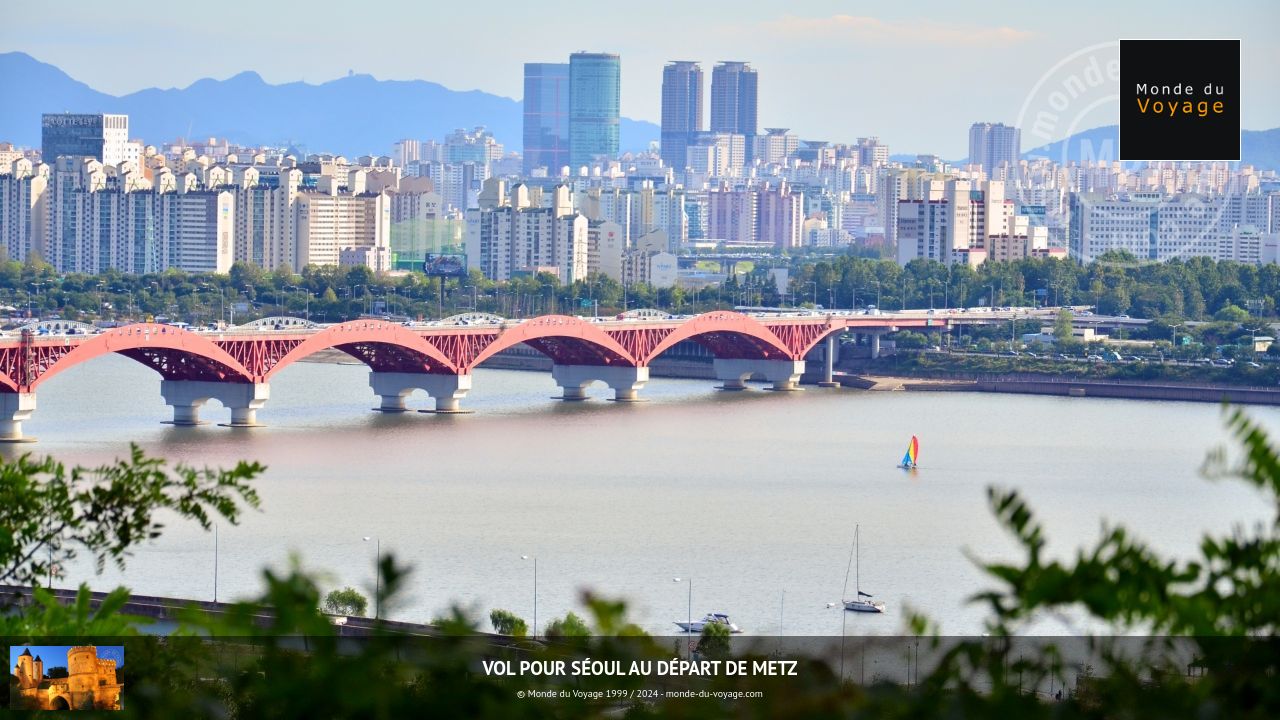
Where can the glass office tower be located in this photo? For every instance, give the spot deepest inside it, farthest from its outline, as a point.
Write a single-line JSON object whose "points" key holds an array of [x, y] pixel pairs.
{"points": [[595, 81]]}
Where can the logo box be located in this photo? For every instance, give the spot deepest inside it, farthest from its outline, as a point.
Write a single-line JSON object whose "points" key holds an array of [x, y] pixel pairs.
{"points": [[1180, 100]]}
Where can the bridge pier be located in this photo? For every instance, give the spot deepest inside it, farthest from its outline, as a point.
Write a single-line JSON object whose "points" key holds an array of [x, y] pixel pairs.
{"points": [[875, 345], [188, 396], [394, 388], [14, 409], [734, 372], [829, 362], [626, 381]]}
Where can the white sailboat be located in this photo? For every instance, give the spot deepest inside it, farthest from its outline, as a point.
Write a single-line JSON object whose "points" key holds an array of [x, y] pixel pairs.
{"points": [[861, 601]]}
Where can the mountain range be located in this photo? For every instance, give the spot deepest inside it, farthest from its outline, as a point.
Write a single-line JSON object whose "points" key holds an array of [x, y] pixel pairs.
{"points": [[353, 115], [344, 115], [1259, 148]]}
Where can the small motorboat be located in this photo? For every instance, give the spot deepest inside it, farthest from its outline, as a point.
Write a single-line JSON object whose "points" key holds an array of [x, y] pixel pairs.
{"points": [[708, 619]]}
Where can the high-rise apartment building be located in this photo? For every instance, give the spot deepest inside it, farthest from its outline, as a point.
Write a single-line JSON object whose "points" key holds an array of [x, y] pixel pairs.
{"points": [[734, 102], [508, 233], [22, 210], [775, 146], [546, 117], [102, 137], [994, 145], [681, 110], [1159, 226], [329, 222], [957, 221], [595, 82]]}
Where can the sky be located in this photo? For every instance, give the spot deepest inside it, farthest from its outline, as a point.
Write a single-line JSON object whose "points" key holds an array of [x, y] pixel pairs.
{"points": [[916, 74], [56, 655]]}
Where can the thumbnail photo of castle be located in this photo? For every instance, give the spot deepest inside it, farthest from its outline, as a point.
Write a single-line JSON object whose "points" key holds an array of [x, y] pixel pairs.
{"points": [[63, 677]]}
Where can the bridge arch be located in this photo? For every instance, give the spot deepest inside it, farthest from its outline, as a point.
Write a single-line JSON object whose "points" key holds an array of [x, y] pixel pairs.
{"points": [[175, 353], [474, 318], [728, 335], [279, 322], [382, 345], [646, 314], [58, 327], [566, 340]]}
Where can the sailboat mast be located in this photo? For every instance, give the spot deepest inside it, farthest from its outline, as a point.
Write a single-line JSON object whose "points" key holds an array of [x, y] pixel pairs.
{"points": [[857, 578]]}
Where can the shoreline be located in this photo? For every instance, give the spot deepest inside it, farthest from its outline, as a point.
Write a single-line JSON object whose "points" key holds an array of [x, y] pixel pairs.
{"points": [[1022, 384]]}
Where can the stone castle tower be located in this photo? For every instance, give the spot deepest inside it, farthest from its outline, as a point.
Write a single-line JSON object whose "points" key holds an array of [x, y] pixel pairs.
{"points": [[90, 682]]}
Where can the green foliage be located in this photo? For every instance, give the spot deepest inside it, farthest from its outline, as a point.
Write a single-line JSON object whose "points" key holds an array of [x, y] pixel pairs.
{"points": [[46, 616], [1063, 326], [714, 641], [347, 601], [50, 515], [570, 626], [1232, 314], [506, 622], [958, 365]]}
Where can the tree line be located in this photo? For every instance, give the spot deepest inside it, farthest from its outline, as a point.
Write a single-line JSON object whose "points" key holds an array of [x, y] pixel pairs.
{"points": [[1116, 284]]}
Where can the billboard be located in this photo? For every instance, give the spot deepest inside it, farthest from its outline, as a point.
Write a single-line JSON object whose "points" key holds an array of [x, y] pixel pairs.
{"points": [[445, 265]]}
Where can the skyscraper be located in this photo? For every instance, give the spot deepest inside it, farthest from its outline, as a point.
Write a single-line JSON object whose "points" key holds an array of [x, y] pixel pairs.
{"points": [[595, 81], [546, 116], [991, 145], [681, 110], [734, 88]]}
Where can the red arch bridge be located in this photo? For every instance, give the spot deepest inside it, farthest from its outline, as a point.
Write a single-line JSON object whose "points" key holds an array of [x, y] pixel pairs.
{"points": [[235, 365]]}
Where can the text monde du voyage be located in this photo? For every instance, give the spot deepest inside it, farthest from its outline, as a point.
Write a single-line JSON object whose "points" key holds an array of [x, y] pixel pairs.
{"points": [[1181, 99]]}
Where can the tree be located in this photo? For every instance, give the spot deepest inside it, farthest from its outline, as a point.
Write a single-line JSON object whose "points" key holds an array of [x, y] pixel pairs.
{"points": [[571, 626], [506, 622], [714, 641], [1232, 313], [49, 515], [347, 601], [1063, 325]]}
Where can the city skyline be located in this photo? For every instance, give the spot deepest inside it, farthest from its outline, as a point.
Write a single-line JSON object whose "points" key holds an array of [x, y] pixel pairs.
{"points": [[815, 61]]}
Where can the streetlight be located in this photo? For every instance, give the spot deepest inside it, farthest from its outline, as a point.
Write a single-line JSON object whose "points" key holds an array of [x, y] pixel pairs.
{"points": [[215, 562], [689, 626], [377, 588], [535, 592], [815, 293]]}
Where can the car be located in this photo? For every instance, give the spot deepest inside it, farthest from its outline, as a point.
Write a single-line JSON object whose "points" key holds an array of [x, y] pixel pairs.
{"points": [[1253, 364], [1031, 354]]}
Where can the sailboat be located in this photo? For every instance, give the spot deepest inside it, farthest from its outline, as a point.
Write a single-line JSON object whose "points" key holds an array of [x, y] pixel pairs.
{"points": [[913, 452], [860, 601]]}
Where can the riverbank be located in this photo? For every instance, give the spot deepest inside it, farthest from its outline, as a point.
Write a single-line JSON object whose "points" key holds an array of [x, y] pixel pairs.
{"points": [[882, 376]]}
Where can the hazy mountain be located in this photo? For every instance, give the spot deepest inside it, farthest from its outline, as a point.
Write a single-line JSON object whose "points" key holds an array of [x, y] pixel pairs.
{"points": [[1259, 148], [353, 115]]}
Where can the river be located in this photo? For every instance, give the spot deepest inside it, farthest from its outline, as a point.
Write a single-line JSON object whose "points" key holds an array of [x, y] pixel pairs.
{"points": [[754, 496]]}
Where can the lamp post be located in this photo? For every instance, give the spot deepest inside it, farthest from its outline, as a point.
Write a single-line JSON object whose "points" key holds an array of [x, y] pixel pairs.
{"points": [[689, 626], [815, 293], [535, 592], [215, 562], [377, 587]]}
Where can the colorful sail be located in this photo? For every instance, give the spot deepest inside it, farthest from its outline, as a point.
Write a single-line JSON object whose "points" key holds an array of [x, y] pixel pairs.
{"points": [[913, 452]]}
